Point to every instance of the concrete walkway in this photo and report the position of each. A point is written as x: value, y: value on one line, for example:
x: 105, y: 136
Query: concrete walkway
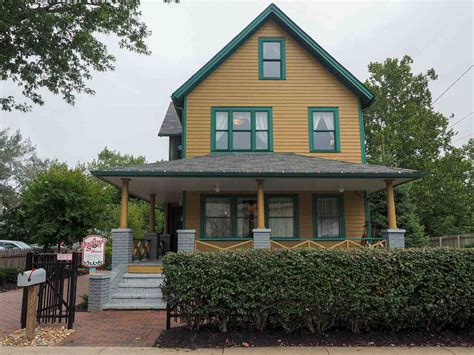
x: 236, y: 351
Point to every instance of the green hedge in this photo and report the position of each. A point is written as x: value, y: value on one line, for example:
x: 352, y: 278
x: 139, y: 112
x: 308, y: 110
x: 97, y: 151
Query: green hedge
x: 320, y: 289
x: 8, y: 274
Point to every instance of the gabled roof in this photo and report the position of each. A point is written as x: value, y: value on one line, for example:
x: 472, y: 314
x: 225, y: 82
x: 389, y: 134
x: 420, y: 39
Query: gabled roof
x: 274, y: 13
x: 260, y: 165
x: 171, y: 125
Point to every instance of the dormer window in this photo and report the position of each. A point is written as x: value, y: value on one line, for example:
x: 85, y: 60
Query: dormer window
x: 271, y: 58
x: 241, y: 129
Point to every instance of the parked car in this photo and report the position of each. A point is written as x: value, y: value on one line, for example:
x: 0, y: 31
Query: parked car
x: 14, y: 244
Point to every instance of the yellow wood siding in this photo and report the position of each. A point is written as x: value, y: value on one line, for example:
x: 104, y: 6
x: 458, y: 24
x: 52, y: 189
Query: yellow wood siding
x: 353, y: 211
x: 308, y: 84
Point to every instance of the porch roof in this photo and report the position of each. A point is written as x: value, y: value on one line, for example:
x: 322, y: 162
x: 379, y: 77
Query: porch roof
x: 283, y: 172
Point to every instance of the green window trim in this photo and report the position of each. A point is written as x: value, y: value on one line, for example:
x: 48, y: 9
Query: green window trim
x: 342, y: 225
x: 253, y: 130
x: 296, y: 225
x: 337, y: 145
x: 282, y: 60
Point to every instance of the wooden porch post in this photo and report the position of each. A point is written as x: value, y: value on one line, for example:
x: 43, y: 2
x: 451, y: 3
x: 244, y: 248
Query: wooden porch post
x: 391, y: 214
x: 260, y: 204
x: 124, y: 204
x: 151, y: 222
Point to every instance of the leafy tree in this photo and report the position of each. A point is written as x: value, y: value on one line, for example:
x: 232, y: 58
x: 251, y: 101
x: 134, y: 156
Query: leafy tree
x: 18, y: 165
x: 55, y: 45
x: 61, y: 204
x: 403, y: 130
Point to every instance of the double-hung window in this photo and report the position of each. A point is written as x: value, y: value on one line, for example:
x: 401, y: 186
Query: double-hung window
x: 328, y: 212
x: 271, y: 58
x: 241, y: 129
x: 282, y: 216
x: 324, y: 129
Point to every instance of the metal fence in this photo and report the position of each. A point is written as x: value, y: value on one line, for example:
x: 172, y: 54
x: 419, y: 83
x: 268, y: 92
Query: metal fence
x: 454, y: 241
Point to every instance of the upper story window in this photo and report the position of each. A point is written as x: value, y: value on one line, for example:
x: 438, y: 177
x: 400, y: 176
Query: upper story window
x: 241, y: 129
x: 271, y: 58
x: 324, y: 129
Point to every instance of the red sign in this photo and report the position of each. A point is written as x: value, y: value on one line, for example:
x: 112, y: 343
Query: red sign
x: 93, y: 251
x: 64, y: 257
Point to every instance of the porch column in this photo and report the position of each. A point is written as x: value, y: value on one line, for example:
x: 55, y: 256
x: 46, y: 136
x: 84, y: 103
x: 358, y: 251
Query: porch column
x: 151, y: 222
x: 124, y: 204
x: 395, y: 237
x: 260, y: 204
x: 391, y: 214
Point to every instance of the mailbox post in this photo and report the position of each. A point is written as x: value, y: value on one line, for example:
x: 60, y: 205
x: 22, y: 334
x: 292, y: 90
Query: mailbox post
x: 31, y: 280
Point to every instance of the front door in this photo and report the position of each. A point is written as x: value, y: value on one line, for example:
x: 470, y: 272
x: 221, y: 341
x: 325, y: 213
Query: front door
x: 175, y: 222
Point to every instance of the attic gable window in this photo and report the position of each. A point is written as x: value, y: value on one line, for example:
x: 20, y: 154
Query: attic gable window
x: 324, y: 129
x: 244, y: 129
x: 271, y: 58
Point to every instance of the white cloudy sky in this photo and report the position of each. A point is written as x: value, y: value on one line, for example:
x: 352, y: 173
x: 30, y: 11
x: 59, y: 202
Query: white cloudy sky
x: 130, y: 103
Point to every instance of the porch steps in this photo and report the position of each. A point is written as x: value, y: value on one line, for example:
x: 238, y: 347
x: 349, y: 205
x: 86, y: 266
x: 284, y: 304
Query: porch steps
x: 138, y: 291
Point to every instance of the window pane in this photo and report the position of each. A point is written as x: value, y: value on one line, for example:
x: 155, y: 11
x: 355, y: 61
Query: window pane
x: 327, y: 207
x: 217, y: 227
x: 222, y: 120
x: 261, y: 120
x: 323, y: 121
x: 271, y: 50
x: 222, y: 140
x: 218, y: 207
x: 281, y: 227
x: 241, y: 140
x: 247, y: 207
x: 324, y: 140
x: 280, y: 207
x: 261, y: 141
x: 271, y: 69
x: 328, y: 227
x: 241, y: 121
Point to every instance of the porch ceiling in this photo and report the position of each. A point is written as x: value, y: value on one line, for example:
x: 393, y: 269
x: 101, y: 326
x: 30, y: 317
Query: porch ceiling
x: 169, y: 189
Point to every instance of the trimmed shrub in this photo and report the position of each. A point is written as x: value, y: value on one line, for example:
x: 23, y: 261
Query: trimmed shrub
x: 319, y: 289
x: 9, y: 275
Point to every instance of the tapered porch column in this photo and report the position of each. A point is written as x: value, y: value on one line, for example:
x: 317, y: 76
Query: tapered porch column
x: 124, y: 204
x: 391, y: 214
x: 260, y: 204
x: 152, y: 218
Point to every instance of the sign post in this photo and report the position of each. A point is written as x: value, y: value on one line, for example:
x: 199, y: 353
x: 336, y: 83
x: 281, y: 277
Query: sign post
x: 31, y: 279
x: 93, y: 251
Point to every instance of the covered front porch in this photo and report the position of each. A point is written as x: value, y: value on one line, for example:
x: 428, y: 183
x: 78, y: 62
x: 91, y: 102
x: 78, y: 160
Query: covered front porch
x: 270, y: 201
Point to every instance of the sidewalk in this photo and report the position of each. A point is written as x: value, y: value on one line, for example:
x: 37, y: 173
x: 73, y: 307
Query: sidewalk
x: 237, y: 351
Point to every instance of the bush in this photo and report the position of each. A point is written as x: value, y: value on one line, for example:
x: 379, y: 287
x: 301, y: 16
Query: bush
x: 320, y: 289
x: 9, y: 275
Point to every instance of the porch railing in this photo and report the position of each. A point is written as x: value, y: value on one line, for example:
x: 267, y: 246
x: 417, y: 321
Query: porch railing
x: 292, y: 243
x: 141, y: 249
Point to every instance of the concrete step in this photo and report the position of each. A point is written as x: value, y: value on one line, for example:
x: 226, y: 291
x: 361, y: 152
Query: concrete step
x: 139, y: 289
x: 143, y: 279
x: 122, y: 306
x: 137, y: 298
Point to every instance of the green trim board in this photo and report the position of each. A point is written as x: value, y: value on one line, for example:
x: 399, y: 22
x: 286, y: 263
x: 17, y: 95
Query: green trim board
x: 341, y: 212
x: 274, y: 13
x: 336, y: 130
x: 253, y: 130
x: 183, y: 144
x: 261, y: 59
x: 296, y: 214
x: 363, y: 157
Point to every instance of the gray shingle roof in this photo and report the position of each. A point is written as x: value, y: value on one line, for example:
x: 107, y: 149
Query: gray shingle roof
x: 171, y: 125
x: 260, y: 164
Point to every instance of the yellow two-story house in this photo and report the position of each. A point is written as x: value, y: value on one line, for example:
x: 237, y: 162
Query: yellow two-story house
x: 266, y: 151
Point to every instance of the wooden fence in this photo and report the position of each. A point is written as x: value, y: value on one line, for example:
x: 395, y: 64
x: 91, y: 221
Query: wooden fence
x: 13, y: 258
x: 454, y: 241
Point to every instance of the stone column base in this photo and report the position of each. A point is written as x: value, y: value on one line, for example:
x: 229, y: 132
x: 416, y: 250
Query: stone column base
x: 99, y: 291
x: 186, y: 240
x: 153, y: 239
x: 395, y: 238
x: 261, y: 238
x: 122, y: 247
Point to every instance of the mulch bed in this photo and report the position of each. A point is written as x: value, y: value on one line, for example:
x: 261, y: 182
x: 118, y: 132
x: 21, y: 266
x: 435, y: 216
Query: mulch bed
x: 183, y: 337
